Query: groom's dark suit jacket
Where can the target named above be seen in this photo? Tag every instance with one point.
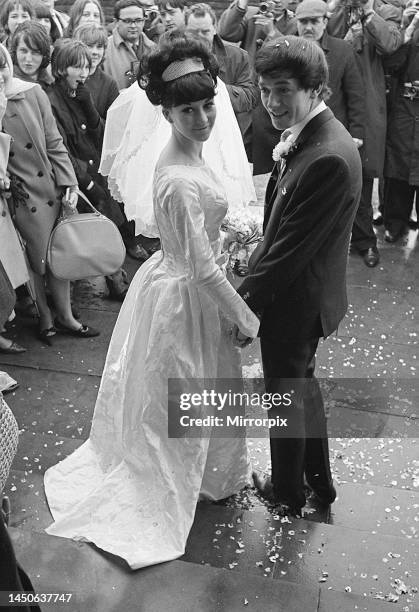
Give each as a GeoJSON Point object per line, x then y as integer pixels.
{"type": "Point", "coordinates": [297, 278]}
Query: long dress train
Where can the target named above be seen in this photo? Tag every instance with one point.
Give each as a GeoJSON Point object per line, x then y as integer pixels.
{"type": "Point", "coordinates": [130, 489]}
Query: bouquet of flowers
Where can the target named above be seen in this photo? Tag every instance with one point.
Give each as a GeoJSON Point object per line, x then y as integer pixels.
{"type": "Point", "coordinates": [242, 230]}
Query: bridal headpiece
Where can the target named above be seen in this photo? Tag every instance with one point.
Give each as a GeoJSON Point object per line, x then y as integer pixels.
{"type": "Point", "coordinates": [180, 68]}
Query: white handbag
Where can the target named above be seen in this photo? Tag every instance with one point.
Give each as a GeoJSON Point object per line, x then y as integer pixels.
{"type": "Point", "coordinates": [85, 245]}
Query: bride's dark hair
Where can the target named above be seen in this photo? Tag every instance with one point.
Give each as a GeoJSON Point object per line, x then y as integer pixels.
{"type": "Point", "coordinates": [178, 45]}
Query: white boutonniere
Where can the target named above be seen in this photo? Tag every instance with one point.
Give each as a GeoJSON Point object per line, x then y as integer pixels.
{"type": "Point", "coordinates": [283, 149]}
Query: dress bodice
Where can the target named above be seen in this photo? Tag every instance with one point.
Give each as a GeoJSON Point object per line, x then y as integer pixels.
{"type": "Point", "coordinates": [186, 199]}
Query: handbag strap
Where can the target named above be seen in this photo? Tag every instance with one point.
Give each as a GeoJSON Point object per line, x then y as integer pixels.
{"type": "Point", "coordinates": [88, 202]}
{"type": "Point", "coordinates": [83, 197]}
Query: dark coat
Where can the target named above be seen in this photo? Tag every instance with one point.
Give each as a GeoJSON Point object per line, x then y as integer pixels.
{"type": "Point", "coordinates": [348, 92]}
{"type": "Point", "coordinates": [379, 36]}
{"type": "Point", "coordinates": [235, 72]}
{"type": "Point", "coordinates": [84, 145]}
{"type": "Point", "coordinates": [297, 278]}
{"type": "Point", "coordinates": [39, 158]}
{"type": "Point", "coordinates": [237, 25]}
{"type": "Point", "coordinates": [402, 150]}
{"type": "Point", "coordinates": [104, 90]}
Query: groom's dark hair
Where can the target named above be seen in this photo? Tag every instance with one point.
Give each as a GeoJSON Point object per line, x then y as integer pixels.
{"type": "Point", "coordinates": [297, 58]}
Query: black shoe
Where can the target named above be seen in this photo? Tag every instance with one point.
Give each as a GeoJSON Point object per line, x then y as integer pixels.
{"type": "Point", "coordinates": [371, 257]}
{"type": "Point", "coordinates": [83, 331]}
{"type": "Point", "coordinates": [378, 221]}
{"type": "Point", "coordinates": [46, 335]}
{"type": "Point", "coordinates": [390, 236]}
{"type": "Point", "coordinates": [414, 225]}
{"type": "Point", "coordinates": [324, 495]}
{"type": "Point", "coordinates": [264, 486]}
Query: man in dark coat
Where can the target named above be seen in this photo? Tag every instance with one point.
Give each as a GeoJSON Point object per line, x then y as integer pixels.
{"type": "Point", "coordinates": [347, 99]}
{"type": "Point", "coordinates": [234, 65]}
{"type": "Point", "coordinates": [297, 279]}
{"type": "Point", "coordinates": [249, 26]}
{"type": "Point", "coordinates": [402, 149]}
{"type": "Point", "coordinates": [373, 30]}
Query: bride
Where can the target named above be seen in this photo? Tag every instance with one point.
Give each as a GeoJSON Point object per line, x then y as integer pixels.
{"type": "Point", "coordinates": [130, 489]}
{"type": "Point", "coordinates": [135, 134]}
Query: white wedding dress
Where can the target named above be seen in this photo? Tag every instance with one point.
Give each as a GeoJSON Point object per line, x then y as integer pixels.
{"type": "Point", "coordinates": [130, 489]}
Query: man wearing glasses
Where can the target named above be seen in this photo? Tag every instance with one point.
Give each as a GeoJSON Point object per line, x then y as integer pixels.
{"type": "Point", "coordinates": [127, 44]}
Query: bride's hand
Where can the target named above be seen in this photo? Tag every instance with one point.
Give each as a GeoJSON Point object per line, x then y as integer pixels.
{"type": "Point", "coordinates": [240, 339]}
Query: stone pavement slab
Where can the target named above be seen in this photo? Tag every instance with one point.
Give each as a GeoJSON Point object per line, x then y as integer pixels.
{"type": "Point", "coordinates": [67, 354]}
{"type": "Point", "coordinates": [377, 311]}
{"type": "Point", "coordinates": [349, 357]}
{"type": "Point", "coordinates": [333, 601]}
{"type": "Point", "coordinates": [102, 584]}
{"type": "Point", "coordinates": [29, 507]}
{"type": "Point", "coordinates": [40, 451]}
{"type": "Point", "coordinates": [58, 402]}
{"type": "Point", "coordinates": [303, 552]}
{"type": "Point", "coordinates": [383, 510]}
{"type": "Point", "coordinates": [381, 461]}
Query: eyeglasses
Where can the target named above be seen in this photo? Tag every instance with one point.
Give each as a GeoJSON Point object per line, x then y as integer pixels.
{"type": "Point", "coordinates": [137, 21]}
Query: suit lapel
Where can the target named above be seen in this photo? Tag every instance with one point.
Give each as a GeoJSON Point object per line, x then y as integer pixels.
{"type": "Point", "coordinates": [308, 130]}
{"type": "Point", "coordinates": [278, 173]}
{"type": "Point", "coordinates": [271, 191]}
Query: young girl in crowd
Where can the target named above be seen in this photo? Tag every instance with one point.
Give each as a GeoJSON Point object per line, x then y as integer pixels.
{"type": "Point", "coordinates": [44, 17]}
{"type": "Point", "coordinates": [85, 11]}
{"type": "Point", "coordinates": [81, 127]}
{"type": "Point", "coordinates": [30, 52]}
{"type": "Point", "coordinates": [103, 87]}
{"type": "Point", "coordinates": [41, 171]}
{"type": "Point", "coordinates": [12, 14]}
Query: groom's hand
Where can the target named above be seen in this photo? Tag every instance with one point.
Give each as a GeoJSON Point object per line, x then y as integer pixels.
{"type": "Point", "coordinates": [240, 339]}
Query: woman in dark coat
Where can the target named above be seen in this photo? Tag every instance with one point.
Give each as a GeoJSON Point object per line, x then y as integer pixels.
{"type": "Point", "coordinates": [402, 151]}
{"type": "Point", "coordinates": [81, 127]}
{"type": "Point", "coordinates": [103, 87]}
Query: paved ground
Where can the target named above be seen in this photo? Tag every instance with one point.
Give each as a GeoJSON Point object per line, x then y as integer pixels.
{"type": "Point", "coordinates": [240, 555]}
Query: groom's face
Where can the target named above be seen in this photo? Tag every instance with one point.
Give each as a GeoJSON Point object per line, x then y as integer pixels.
{"type": "Point", "coordinates": [286, 102]}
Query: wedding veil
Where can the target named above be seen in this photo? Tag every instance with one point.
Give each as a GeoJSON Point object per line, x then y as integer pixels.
{"type": "Point", "coordinates": [135, 135]}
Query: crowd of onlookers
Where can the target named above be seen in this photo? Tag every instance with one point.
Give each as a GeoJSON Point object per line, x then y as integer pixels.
{"type": "Point", "coordinates": [60, 73]}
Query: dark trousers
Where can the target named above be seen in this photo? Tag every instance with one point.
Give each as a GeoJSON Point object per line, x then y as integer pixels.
{"type": "Point", "coordinates": [398, 202]}
{"type": "Point", "coordinates": [363, 236]}
{"type": "Point", "coordinates": [12, 576]}
{"type": "Point", "coordinates": [306, 454]}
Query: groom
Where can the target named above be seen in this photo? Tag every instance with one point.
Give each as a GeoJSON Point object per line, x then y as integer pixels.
{"type": "Point", "coordinates": [297, 274]}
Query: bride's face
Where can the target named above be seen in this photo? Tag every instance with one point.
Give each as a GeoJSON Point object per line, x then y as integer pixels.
{"type": "Point", "coordinates": [193, 121]}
